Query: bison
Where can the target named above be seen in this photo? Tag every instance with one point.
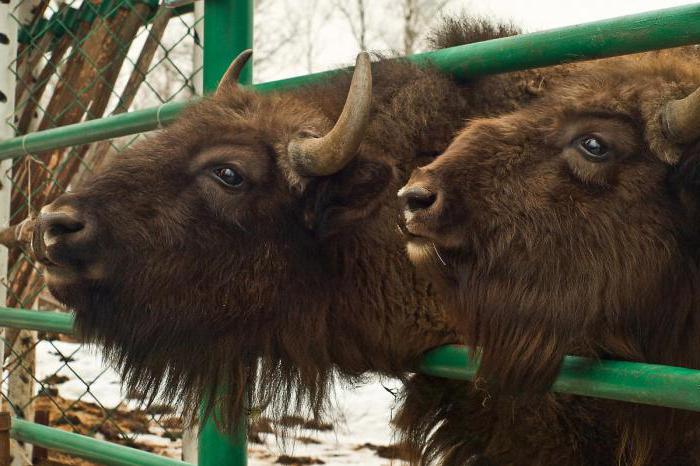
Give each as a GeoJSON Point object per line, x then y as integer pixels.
{"type": "Point", "coordinates": [569, 226]}
{"type": "Point", "coordinates": [249, 253]}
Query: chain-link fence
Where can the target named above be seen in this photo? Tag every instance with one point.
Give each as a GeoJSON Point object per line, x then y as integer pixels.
{"type": "Point", "coordinates": [76, 61]}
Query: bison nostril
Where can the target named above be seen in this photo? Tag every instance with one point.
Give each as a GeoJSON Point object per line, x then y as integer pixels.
{"type": "Point", "coordinates": [416, 198]}
{"type": "Point", "coordinates": [59, 224]}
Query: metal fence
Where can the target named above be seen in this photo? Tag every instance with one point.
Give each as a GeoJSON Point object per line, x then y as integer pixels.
{"type": "Point", "coordinates": [79, 61]}
{"type": "Point", "coordinates": [42, 168]}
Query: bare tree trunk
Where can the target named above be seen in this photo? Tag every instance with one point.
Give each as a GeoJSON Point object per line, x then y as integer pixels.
{"type": "Point", "coordinates": [359, 26]}
{"type": "Point", "coordinates": [417, 15]}
{"type": "Point", "coordinates": [363, 24]}
{"type": "Point", "coordinates": [410, 16]}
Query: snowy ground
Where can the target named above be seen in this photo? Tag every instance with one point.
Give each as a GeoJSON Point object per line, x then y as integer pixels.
{"type": "Point", "coordinates": [365, 410]}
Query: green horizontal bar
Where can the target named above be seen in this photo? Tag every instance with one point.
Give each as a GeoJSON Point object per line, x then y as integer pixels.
{"type": "Point", "coordinates": [618, 36]}
{"type": "Point", "coordinates": [177, 3]}
{"type": "Point", "coordinates": [115, 126]}
{"type": "Point", "coordinates": [653, 30]}
{"type": "Point", "coordinates": [43, 321]}
{"type": "Point", "coordinates": [88, 448]}
{"type": "Point", "coordinates": [673, 387]}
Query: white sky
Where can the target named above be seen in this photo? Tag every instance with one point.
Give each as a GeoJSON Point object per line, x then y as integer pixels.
{"type": "Point", "coordinates": [545, 14]}
{"type": "Point", "coordinates": [334, 44]}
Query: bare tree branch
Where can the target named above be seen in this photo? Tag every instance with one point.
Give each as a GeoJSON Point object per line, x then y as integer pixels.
{"type": "Point", "coordinates": [358, 25]}
{"type": "Point", "coordinates": [417, 16]}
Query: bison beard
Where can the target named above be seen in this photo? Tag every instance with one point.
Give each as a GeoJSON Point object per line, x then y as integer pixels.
{"type": "Point", "coordinates": [548, 248]}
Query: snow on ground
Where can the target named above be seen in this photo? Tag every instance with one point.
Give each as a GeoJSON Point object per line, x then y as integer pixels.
{"type": "Point", "coordinates": [84, 366]}
{"type": "Point", "coordinates": [365, 412]}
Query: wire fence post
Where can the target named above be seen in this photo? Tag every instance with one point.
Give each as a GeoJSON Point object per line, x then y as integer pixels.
{"type": "Point", "coordinates": [62, 63]}
{"type": "Point", "coordinates": [8, 84]}
{"type": "Point", "coordinates": [228, 30]}
{"type": "Point", "coordinates": [8, 51]}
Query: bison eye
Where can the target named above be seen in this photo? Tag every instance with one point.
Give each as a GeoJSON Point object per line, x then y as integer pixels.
{"type": "Point", "coordinates": [593, 148]}
{"type": "Point", "coordinates": [228, 176]}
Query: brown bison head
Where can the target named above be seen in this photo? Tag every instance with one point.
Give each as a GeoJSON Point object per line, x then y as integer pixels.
{"type": "Point", "coordinates": [253, 242]}
{"type": "Point", "coordinates": [571, 226]}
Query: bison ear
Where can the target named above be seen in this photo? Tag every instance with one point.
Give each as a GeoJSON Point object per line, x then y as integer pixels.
{"type": "Point", "coordinates": [686, 173]}
{"type": "Point", "coordinates": [336, 203]}
{"type": "Point", "coordinates": [685, 180]}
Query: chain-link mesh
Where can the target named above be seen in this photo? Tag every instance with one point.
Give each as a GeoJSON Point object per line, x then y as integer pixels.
{"type": "Point", "coordinates": [80, 60]}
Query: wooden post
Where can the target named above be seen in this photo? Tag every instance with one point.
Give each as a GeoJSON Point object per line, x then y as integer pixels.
{"type": "Point", "coordinates": [40, 454]}
{"type": "Point", "coordinates": [5, 425]}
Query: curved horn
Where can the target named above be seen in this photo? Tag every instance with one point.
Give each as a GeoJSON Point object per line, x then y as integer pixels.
{"type": "Point", "coordinates": [329, 154]}
{"type": "Point", "coordinates": [230, 78]}
{"type": "Point", "coordinates": [680, 119]}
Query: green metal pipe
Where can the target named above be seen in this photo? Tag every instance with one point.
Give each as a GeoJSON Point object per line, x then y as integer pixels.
{"type": "Point", "coordinates": [673, 387]}
{"type": "Point", "coordinates": [628, 34]}
{"type": "Point", "coordinates": [42, 321]}
{"type": "Point", "coordinates": [91, 449]}
{"type": "Point", "coordinates": [228, 30]}
{"type": "Point", "coordinates": [653, 30]}
{"type": "Point", "coordinates": [90, 131]}
{"type": "Point", "coordinates": [219, 449]}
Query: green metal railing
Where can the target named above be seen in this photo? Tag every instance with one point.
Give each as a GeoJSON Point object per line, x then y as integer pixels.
{"type": "Point", "coordinates": [86, 447]}
{"type": "Point", "coordinates": [634, 33]}
{"type": "Point", "coordinates": [652, 384]}
{"type": "Point", "coordinates": [618, 380]}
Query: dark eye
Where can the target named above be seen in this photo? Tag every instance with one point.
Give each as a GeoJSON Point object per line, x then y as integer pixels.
{"type": "Point", "coordinates": [593, 148]}
{"type": "Point", "coordinates": [228, 176]}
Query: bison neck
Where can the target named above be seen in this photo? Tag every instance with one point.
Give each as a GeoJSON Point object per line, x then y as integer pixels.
{"type": "Point", "coordinates": [381, 315]}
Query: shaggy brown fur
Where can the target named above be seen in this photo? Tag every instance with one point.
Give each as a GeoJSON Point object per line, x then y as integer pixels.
{"type": "Point", "coordinates": [545, 250]}
{"type": "Point", "coordinates": [280, 283]}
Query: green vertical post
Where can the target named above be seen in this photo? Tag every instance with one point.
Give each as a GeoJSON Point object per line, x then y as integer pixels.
{"type": "Point", "coordinates": [219, 449]}
{"type": "Point", "coordinates": [228, 30]}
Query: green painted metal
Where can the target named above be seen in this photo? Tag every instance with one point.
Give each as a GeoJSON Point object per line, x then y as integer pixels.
{"type": "Point", "coordinates": [93, 130]}
{"type": "Point", "coordinates": [177, 3]}
{"type": "Point", "coordinates": [628, 34]}
{"type": "Point", "coordinates": [228, 30]}
{"type": "Point", "coordinates": [219, 449]}
{"type": "Point", "coordinates": [623, 35]}
{"type": "Point", "coordinates": [106, 453]}
{"type": "Point", "coordinates": [673, 387]}
{"type": "Point", "coordinates": [43, 321]}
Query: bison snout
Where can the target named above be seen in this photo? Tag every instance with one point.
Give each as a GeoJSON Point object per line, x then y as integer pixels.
{"type": "Point", "coordinates": [420, 209]}
{"type": "Point", "coordinates": [62, 237]}
{"type": "Point", "coordinates": [415, 198]}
